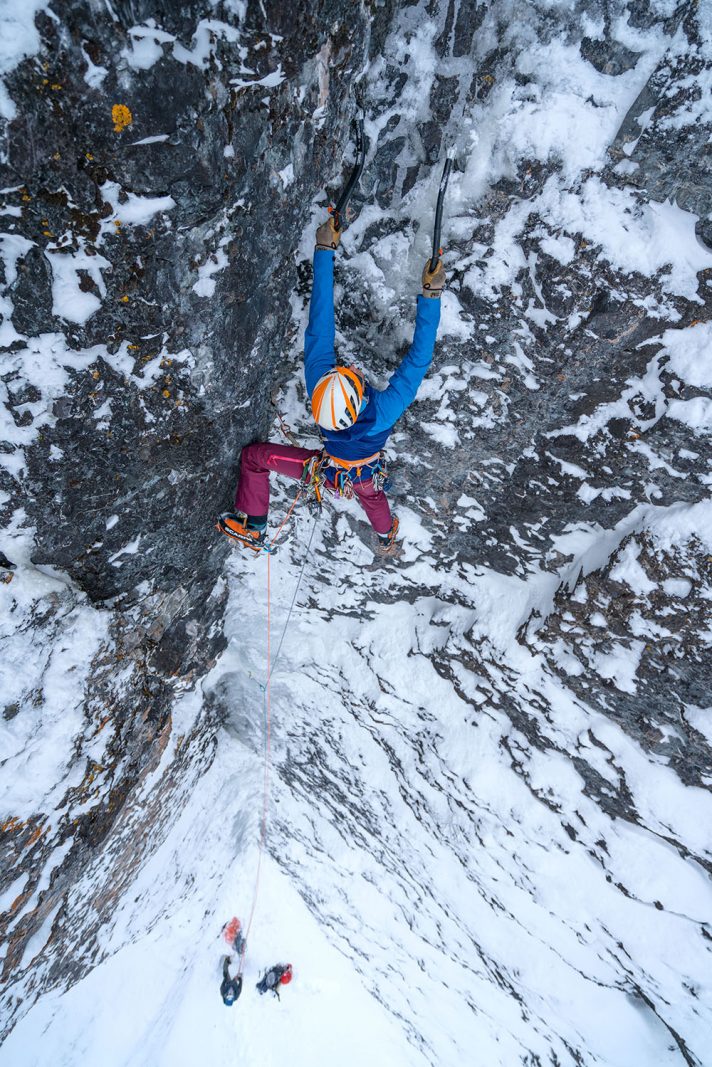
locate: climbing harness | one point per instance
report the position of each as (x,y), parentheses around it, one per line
(346,471)
(437,250)
(337,210)
(325,473)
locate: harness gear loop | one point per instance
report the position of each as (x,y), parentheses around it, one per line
(374,465)
(326,473)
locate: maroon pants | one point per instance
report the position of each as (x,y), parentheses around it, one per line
(258,460)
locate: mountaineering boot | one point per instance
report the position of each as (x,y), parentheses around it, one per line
(240,527)
(387,544)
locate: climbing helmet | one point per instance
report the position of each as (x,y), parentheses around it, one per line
(337,396)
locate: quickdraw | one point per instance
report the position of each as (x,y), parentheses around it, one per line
(343,485)
(313,483)
(380,475)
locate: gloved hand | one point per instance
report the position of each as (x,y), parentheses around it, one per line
(327,236)
(433,284)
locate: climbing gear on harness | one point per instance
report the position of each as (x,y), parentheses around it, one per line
(336,400)
(437,250)
(388,546)
(338,209)
(327,473)
(312,482)
(238,527)
(343,485)
(346,471)
(328,235)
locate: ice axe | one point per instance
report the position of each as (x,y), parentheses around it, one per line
(437,250)
(340,206)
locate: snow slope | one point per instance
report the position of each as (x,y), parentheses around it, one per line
(490,799)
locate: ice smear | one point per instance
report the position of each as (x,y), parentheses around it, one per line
(69,301)
(41,742)
(12,248)
(148,39)
(134,210)
(216,262)
(39,939)
(19,39)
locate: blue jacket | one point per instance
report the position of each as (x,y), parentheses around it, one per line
(381,409)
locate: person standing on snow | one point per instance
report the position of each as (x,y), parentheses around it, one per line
(230,988)
(356,420)
(280,974)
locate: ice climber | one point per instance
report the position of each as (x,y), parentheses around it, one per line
(230,988)
(280,974)
(355,419)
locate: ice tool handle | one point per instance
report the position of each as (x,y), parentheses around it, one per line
(437,250)
(351,184)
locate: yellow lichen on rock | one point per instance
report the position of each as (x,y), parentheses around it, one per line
(121,117)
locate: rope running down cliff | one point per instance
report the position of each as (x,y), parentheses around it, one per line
(267,710)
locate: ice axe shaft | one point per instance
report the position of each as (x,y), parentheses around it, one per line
(340,206)
(437,250)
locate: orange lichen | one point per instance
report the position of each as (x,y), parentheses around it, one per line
(11,824)
(121,117)
(167,393)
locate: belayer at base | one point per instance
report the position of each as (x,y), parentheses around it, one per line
(355,419)
(230,988)
(280,974)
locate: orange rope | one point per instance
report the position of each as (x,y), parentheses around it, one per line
(267,688)
(279,530)
(268,741)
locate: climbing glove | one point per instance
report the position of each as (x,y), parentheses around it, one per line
(433,283)
(327,236)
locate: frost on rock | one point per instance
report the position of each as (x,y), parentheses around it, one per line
(491,765)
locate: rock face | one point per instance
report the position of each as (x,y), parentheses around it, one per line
(157,168)
(553,478)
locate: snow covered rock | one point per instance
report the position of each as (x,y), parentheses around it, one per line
(492,766)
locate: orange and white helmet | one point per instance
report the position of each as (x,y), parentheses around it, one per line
(336,400)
